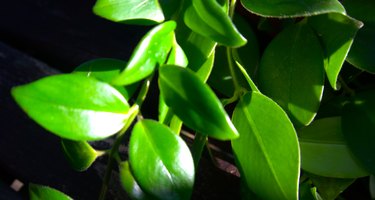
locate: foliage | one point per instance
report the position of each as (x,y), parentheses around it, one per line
(308,132)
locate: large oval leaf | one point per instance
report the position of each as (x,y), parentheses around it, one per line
(267,150)
(292,8)
(79,154)
(324,151)
(130,184)
(161,161)
(73,106)
(153,49)
(195,103)
(358,126)
(292,74)
(130,11)
(40,192)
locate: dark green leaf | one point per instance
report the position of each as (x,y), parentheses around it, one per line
(358,125)
(79,154)
(130,184)
(161,161)
(324,152)
(307,192)
(292,74)
(336,32)
(292,8)
(152,50)
(195,103)
(40,192)
(73,106)
(130,11)
(267,150)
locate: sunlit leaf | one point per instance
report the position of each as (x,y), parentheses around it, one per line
(40,192)
(79,154)
(130,184)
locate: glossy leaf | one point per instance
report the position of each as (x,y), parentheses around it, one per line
(195,103)
(79,154)
(324,152)
(362,52)
(40,192)
(73,106)
(177,56)
(293,75)
(152,50)
(161,161)
(130,11)
(358,125)
(337,32)
(267,150)
(292,8)
(130,184)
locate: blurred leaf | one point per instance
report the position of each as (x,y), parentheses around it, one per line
(130,11)
(293,75)
(130,184)
(161,161)
(73,106)
(195,103)
(79,154)
(307,192)
(40,192)
(267,150)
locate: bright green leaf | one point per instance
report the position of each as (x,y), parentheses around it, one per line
(177,55)
(292,8)
(73,106)
(358,126)
(79,154)
(292,74)
(195,103)
(336,31)
(130,11)
(161,161)
(324,152)
(40,192)
(152,50)
(130,184)
(267,150)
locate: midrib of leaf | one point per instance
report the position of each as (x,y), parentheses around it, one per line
(261,145)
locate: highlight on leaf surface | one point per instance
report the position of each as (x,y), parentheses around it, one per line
(41,192)
(130,184)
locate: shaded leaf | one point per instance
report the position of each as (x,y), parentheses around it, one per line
(177,55)
(307,192)
(130,184)
(40,192)
(79,154)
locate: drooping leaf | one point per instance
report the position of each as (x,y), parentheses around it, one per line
(152,50)
(358,126)
(195,103)
(337,32)
(130,184)
(40,192)
(130,11)
(79,154)
(73,106)
(324,151)
(292,74)
(267,150)
(292,8)
(161,161)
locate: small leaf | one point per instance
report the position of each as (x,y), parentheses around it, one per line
(130,11)
(195,103)
(40,192)
(161,161)
(130,184)
(79,154)
(337,33)
(292,8)
(152,50)
(267,150)
(293,75)
(324,152)
(73,106)
(358,125)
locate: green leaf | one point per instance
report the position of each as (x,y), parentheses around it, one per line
(267,150)
(152,50)
(130,184)
(361,54)
(337,32)
(130,11)
(292,8)
(324,152)
(73,106)
(209,19)
(177,55)
(106,69)
(195,103)
(358,125)
(307,192)
(293,75)
(161,161)
(79,154)
(40,192)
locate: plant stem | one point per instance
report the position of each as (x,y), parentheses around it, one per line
(144,90)
(232,7)
(237,86)
(197,149)
(345,87)
(247,77)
